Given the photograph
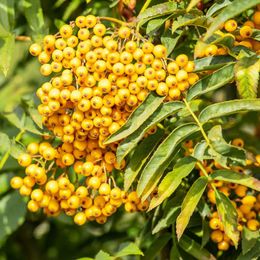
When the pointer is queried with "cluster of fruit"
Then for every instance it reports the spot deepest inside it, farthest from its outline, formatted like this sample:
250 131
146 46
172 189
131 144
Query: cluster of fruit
99 76
91 198
246 201
242 34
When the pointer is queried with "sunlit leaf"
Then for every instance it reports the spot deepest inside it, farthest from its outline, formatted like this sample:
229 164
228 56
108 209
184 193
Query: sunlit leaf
189 204
249 239
130 249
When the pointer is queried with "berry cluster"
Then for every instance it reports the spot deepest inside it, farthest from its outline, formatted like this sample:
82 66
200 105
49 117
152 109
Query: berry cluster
242 35
99 76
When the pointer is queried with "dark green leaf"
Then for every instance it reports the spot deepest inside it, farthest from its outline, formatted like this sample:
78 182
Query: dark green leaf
228 216
172 180
190 203
170 40
73 5
193 248
137 118
155 24
256 35
205 233
141 154
249 239
130 249
157 245
253 254
165 110
162 157
228 108
211 82
235 177
212 62
157 10
247 76
228 12
12 213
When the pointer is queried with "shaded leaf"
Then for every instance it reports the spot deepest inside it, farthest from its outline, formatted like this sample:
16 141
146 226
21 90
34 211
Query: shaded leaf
170 40
7 14
223 39
247 76
189 20
12 213
253 254
211 82
193 248
249 239
73 5
217 7
255 35
130 249
228 216
141 154
172 180
212 62
205 233
235 177
16 149
228 12
162 157
137 118
227 108
190 203
155 24
157 245
165 110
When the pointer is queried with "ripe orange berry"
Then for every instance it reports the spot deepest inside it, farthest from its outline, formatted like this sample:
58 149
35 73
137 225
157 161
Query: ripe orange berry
24 159
223 246
68 159
35 49
217 236
246 31
124 32
37 195
94 182
230 25
80 218
253 224
16 182
182 60
256 18
159 51
33 206
52 187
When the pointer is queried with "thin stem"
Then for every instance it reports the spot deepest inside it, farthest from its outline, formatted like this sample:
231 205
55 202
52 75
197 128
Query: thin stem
198 122
7 154
23 38
111 19
146 4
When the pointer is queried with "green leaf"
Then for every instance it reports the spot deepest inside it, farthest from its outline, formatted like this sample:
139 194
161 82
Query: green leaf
157 245
253 254
172 180
12 213
7 14
155 24
103 256
165 110
189 20
141 154
193 248
170 40
212 62
205 233
16 149
255 35
34 16
228 12
162 157
157 10
189 204
249 239
137 118
247 76
192 4
200 150
235 177
228 216
5 143
130 249
217 6
73 5
217 79
221 147
30 126
227 108
5 182
7 44
225 40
